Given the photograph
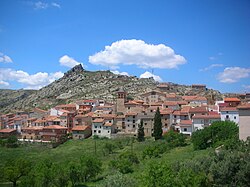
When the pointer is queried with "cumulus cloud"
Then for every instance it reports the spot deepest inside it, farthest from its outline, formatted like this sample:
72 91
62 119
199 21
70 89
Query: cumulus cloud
4 58
233 74
120 73
35 81
139 53
148 75
211 67
68 61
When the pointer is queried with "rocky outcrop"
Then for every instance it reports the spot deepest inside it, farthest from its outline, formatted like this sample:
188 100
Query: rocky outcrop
78 84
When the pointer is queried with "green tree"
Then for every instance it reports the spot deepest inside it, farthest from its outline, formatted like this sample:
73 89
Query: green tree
175 139
157 134
140 135
219 133
118 180
12 142
90 167
15 170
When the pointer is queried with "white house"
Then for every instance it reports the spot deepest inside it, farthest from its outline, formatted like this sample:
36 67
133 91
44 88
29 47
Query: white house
102 128
201 121
185 127
229 114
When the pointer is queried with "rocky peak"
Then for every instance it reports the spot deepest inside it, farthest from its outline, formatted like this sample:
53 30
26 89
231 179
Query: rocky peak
75 70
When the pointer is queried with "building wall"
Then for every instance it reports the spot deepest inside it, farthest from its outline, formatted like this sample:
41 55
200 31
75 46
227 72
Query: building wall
81 134
244 124
188 130
232 116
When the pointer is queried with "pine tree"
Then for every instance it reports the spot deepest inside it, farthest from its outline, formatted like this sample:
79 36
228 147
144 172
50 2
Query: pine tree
157 134
140 135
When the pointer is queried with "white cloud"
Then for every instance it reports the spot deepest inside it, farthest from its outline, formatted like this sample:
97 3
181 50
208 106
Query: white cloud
55 5
43 5
216 57
211 67
233 74
137 52
120 73
35 81
148 75
4 58
4 84
68 61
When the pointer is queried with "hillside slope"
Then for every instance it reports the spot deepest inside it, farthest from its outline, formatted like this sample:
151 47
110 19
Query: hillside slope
78 83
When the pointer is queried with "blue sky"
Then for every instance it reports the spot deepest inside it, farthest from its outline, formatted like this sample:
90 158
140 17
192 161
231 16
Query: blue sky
186 42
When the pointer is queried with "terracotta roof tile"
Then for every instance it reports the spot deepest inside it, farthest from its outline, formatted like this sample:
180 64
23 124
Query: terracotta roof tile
232 99
80 128
7 130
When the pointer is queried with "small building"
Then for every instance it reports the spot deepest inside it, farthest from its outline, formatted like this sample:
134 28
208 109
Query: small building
201 121
81 132
5 133
232 102
229 114
54 133
153 97
32 133
244 121
185 127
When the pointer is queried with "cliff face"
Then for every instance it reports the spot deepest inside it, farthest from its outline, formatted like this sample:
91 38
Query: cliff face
78 84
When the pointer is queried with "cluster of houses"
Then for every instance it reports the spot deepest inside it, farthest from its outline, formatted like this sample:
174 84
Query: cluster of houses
92 117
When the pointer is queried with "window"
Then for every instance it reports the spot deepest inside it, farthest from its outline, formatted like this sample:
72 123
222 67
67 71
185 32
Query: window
129 107
94 131
185 129
133 116
128 125
227 116
133 126
234 117
99 131
95 126
133 121
108 131
145 123
128 120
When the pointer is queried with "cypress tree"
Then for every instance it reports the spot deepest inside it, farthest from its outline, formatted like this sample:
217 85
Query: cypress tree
140 135
157 134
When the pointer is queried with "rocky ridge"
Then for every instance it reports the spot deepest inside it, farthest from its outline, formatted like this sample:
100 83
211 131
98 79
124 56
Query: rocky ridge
78 84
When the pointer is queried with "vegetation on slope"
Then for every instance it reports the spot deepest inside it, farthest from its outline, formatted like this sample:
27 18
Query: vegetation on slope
170 161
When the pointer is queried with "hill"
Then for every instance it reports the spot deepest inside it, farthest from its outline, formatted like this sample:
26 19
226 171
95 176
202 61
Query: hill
78 83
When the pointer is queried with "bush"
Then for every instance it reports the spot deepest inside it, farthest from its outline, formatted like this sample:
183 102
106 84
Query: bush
215 135
175 139
125 162
12 142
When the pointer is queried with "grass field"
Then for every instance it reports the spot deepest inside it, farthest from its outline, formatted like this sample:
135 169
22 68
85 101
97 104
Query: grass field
72 150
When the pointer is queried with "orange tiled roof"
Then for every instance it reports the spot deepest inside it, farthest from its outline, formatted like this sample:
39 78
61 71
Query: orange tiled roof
7 130
201 109
54 127
80 128
107 124
131 114
98 120
119 117
186 122
170 103
166 111
233 99
244 106
224 109
207 116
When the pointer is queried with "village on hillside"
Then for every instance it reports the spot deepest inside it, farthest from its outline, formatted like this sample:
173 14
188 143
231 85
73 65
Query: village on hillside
93 117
